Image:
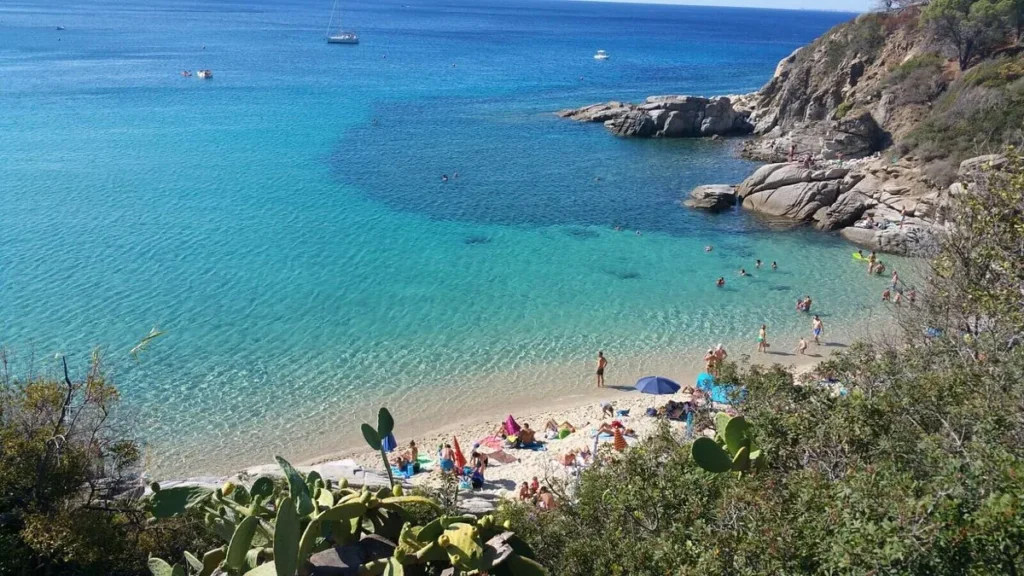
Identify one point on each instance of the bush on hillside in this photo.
(915, 469)
(980, 113)
(918, 80)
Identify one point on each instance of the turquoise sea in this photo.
(285, 222)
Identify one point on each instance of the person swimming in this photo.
(709, 248)
(444, 178)
(757, 264)
(774, 265)
(743, 272)
(720, 282)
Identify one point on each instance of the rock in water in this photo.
(712, 197)
(670, 116)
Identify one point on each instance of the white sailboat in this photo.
(340, 36)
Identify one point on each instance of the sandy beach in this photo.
(582, 411)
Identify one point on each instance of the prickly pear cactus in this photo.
(464, 547)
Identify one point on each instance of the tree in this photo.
(971, 27)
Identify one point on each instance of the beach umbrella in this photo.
(460, 458)
(388, 443)
(656, 385)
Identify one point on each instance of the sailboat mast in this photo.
(330, 22)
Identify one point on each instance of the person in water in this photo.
(602, 363)
(774, 265)
(807, 303)
(743, 272)
(444, 178)
(720, 282)
(886, 294)
(762, 339)
(709, 248)
(757, 264)
(817, 329)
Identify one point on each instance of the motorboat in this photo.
(204, 74)
(601, 55)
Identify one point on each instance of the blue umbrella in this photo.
(388, 443)
(656, 385)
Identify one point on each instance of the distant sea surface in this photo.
(286, 224)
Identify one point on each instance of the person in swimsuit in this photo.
(818, 329)
(762, 339)
(447, 459)
(757, 264)
(710, 361)
(807, 303)
(774, 265)
(801, 348)
(602, 363)
(720, 282)
(886, 294)
(743, 272)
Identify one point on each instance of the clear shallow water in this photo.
(286, 225)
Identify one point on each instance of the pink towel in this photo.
(492, 442)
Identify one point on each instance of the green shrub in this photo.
(918, 80)
(843, 110)
(996, 74)
(979, 114)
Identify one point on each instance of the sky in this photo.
(839, 5)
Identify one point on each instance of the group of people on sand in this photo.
(539, 495)
(714, 358)
(817, 331)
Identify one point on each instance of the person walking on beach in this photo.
(801, 348)
(762, 339)
(602, 363)
(818, 329)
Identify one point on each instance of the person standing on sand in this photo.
(801, 348)
(762, 339)
(720, 356)
(818, 329)
(602, 363)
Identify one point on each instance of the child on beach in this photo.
(801, 348)
(762, 339)
(524, 491)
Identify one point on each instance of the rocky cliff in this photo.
(869, 130)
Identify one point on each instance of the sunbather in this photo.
(534, 486)
(527, 437)
(560, 430)
(546, 500)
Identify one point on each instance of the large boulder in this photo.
(915, 238)
(844, 212)
(800, 201)
(633, 123)
(712, 197)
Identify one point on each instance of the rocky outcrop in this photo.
(670, 116)
(791, 191)
(712, 197)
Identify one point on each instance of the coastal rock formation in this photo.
(792, 191)
(670, 116)
(712, 197)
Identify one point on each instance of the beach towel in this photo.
(460, 459)
(492, 442)
(502, 457)
(622, 412)
(512, 427)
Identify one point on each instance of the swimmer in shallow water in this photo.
(709, 248)
(720, 282)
